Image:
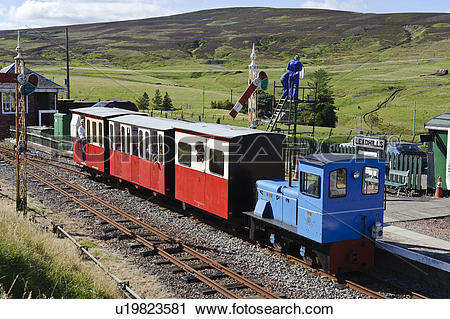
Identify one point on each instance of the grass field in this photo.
(368, 55)
(358, 88)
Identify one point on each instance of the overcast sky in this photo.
(39, 13)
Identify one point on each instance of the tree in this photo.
(157, 100)
(167, 102)
(324, 108)
(264, 104)
(224, 105)
(143, 102)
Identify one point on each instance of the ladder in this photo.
(276, 114)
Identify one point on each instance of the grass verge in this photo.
(35, 264)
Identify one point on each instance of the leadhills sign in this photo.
(370, 142)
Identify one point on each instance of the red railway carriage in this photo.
(96, 125)
(142, 152)
(216, 166)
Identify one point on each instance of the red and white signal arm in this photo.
(262, 80)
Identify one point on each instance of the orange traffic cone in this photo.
(439, 192)
(296, 171)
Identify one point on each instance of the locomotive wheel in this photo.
(280, 245)
(308, 260)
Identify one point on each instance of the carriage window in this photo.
(94, 132)
(146, 143)
(310, 184)
(200, 152)
(184, 154)
(216, 161)
(160, 148)
(371, 180)
(100, 133)
(128, 144)
(141, 144)
(111, 136)
(338, 183)
(122, 139)
(153, 146)
(88, 125)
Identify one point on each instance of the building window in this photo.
(310, 184)
(8, 103)
(338, 183)
(216, 162)
(371, 180)
(184, 154)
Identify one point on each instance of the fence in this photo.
(401, 162)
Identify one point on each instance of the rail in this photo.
(165, 239)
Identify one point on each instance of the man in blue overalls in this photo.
(285, 82)
(294, 66)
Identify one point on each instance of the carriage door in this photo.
(198, 170)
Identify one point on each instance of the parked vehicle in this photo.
(407, 149)
(125, 105)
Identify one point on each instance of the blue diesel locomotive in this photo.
(331, 215)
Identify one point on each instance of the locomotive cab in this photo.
(335, 209)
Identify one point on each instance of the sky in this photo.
(16, 14)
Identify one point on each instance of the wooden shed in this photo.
(439, 127)
(40, 105)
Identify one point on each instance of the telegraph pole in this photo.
(252, 74)
(21, 173)
(67, 64)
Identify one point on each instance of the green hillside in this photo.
(369, 56)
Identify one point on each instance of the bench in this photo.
(402, 180)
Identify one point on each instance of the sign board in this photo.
(375, 143)
(33, 79)
(8, 77)
(27, 89)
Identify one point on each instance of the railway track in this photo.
(154, 240)
(145, 236)
(353, 284)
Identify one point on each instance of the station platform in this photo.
(411, 245)
(400, 209)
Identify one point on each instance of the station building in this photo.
(41, 105)
(439, 148)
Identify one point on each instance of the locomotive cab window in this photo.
(216, 162)
(310, 184)
(184, 154)
(371, 180)
(338, 183)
